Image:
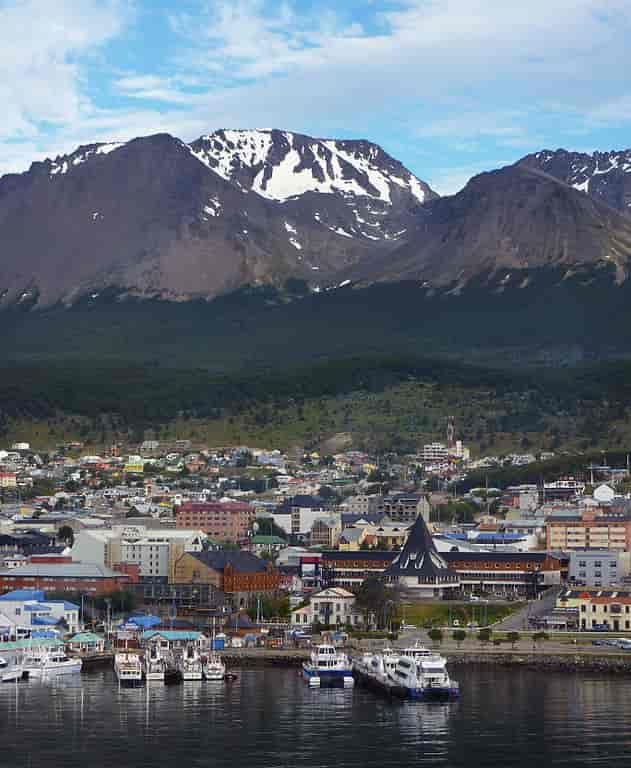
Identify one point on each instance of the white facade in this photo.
(332, 606)
(148, 548)
(435, 452)
(28, 610)
(303, 518)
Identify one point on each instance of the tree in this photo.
(435, 635)
(66, 534)
(459, 635)
(513, 637)
(538, 637)
(372, 598)
(484, 635)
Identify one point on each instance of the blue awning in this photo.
(44, 621)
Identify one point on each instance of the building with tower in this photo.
(419, 569)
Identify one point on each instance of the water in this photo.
(269, 718)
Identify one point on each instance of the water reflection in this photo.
(271, 718)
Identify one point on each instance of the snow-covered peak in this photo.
(280, 165)
(605, 175)
(62, 164)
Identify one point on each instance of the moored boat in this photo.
(420, 673)
(190, 663)
(214, 668)
(154, 664)
(46, 664)
(128, 669)
(327, 666)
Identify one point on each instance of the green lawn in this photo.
(444, 614)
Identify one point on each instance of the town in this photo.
(237, 547)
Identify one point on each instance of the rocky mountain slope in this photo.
(511, 220)
(603, 175)
(158, 218)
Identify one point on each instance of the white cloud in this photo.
(455, 74)
(41, 45)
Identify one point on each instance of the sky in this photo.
(449, 87)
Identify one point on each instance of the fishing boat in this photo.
(327, 666)
(128, 669)
(420, 673)
(45, 663)
(154, 663)
(190, 663)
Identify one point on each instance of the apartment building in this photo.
(222, 521)
(589, 531)
(151, 550)
(598, 567)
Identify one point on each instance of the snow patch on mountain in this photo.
(280, 165)
(61, 165)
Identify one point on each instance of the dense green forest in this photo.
(382, 367)
(382, 404)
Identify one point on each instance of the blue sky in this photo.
(450, 87)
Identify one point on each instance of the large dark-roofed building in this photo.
(238, 574)
(419, 569)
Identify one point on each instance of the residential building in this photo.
(8, 481)
(303, 518)
(365, 505)
(598, 567)
(326, 531)
(222, 521)
(28, 610)
(433, 453)
(590, 530)
(405, 508)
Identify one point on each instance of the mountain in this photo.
(156, 217)
(511, 220)
(605, 176)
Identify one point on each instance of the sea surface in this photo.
(506, 717)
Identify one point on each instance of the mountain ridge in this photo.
(152, 217)
(156, 217)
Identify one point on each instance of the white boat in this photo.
(328, 666)
(128, 668)
(45, 664)
(11, 671)
(155, 664)
(420, 673)
(190, 663)
(214, 668)
(374, 668)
